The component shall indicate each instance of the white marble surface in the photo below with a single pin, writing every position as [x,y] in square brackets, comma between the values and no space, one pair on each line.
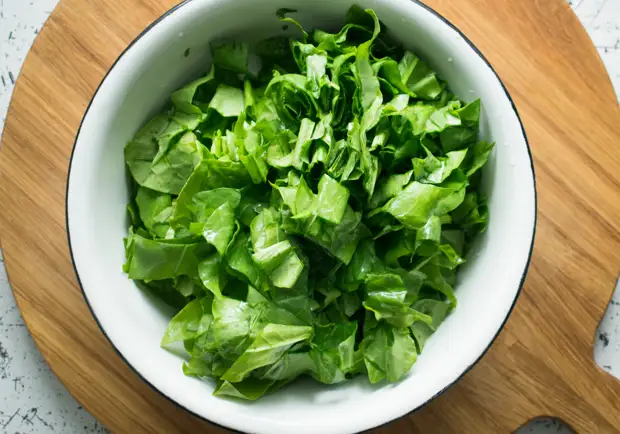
[32,400]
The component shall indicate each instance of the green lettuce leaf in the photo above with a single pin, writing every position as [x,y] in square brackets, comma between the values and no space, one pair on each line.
[289,367]
[437,310]
[188,99]
[162,259]
[273,252]
[219,228]
[389,352]
[213,275]
[250,389]
[192,321]
[389,298]
[240,263]
[155,210]
[160,163]
[418,202]
[332,351]
[268,347]
[233,56]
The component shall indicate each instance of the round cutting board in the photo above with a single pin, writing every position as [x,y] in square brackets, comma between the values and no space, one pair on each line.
[541,364]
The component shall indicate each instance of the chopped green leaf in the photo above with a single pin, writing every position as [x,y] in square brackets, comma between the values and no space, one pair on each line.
[268,347]
[194,320]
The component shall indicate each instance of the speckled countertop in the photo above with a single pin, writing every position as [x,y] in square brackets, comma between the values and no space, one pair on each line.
[32,400]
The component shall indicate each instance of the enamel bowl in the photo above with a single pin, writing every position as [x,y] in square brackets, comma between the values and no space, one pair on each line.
[138,85]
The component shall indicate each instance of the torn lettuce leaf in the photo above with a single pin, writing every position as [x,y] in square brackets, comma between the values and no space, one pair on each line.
[164,155]
[389,352]
[266,349]
[162,259]
[333,352]
[155,210]
[192,321]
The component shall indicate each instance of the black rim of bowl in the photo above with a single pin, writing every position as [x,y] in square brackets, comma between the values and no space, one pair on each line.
[429,400]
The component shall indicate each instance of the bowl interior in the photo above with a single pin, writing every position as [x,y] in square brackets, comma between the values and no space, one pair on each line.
[139,85]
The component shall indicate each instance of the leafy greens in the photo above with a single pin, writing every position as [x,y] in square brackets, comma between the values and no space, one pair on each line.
[307,217]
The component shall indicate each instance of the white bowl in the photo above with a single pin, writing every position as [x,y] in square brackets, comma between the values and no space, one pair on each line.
[138,85]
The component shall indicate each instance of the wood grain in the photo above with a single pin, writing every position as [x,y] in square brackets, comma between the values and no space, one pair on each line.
[541,364]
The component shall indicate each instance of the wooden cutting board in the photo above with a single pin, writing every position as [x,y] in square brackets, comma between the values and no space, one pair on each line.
[542,363]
